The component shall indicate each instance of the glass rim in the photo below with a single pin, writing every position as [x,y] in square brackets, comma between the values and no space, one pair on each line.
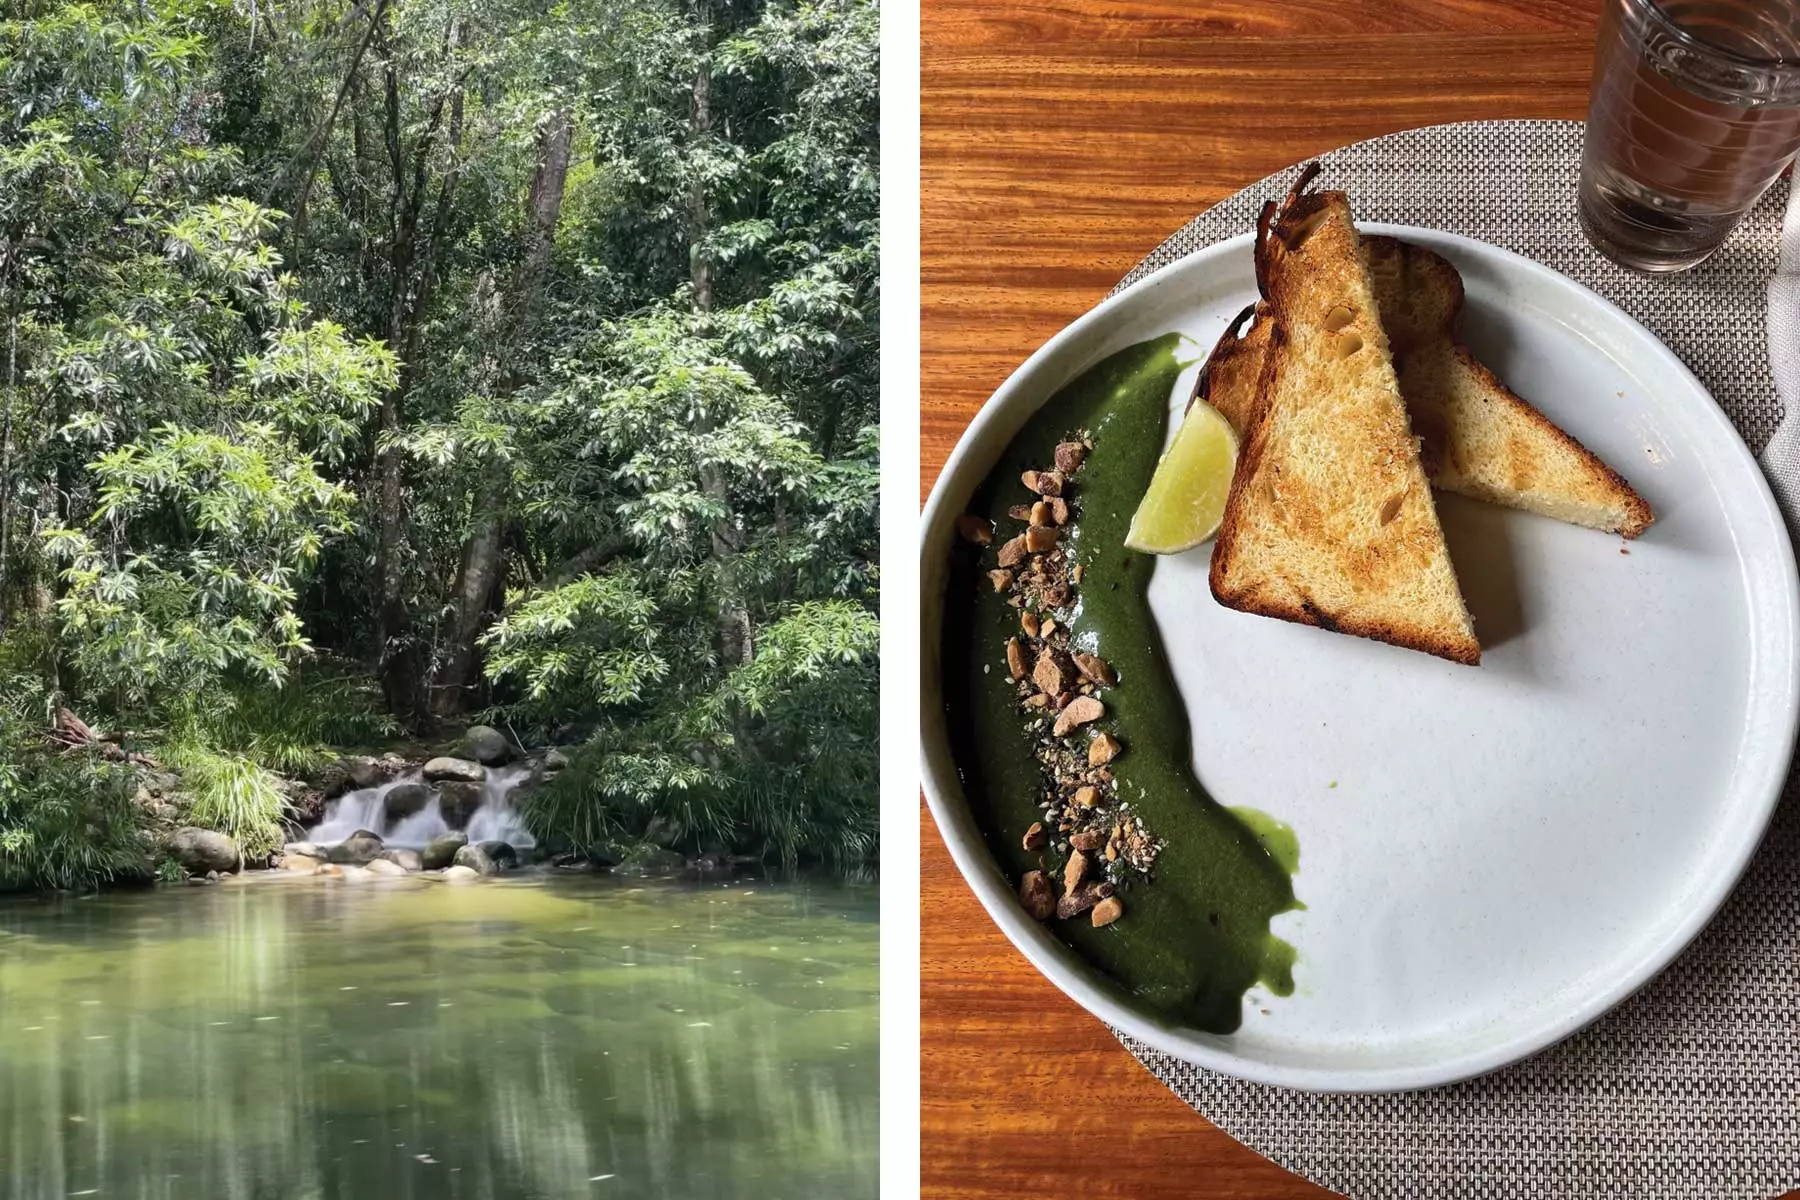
[1737,57]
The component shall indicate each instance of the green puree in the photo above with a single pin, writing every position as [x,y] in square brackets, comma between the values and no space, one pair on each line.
[1195,937]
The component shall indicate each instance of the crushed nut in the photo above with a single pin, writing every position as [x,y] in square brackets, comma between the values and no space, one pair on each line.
[1019,512]
[1040,538]
[1069,456]
[1049,673]
[1035,837]
[1073,904]
[1080,711]
[1028,621]
[1107,911]
[1037,895]
[1087,841]
[1015,663]
[1074,871]
[1044,483]
[1048,627]
[1059,512]
[1096,668]
[1087,797]
[1000,579]
[1103,749]
[1040,513]
[1014,552]
[975,529]
[1076,572]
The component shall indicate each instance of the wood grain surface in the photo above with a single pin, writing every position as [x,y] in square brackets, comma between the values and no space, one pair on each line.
[1060,143]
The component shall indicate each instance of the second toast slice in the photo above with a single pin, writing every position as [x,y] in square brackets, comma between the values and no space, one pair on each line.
[1330,521]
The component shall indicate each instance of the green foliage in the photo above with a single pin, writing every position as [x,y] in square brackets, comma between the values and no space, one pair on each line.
[232,794]
[320,362]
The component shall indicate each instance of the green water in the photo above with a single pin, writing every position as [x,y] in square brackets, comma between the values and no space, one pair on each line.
[1195,938]
[538,1037]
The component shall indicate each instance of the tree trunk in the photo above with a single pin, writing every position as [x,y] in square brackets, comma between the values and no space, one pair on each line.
[484,562]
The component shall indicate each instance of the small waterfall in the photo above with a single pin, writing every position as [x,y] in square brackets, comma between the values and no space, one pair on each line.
[494,820]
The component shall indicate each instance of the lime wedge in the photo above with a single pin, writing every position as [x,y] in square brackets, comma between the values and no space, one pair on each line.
[1185,501]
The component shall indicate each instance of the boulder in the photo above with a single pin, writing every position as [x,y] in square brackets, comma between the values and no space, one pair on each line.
[383,866]
[555,760]
[484,744]
[365,772]
[309,849]
[504,854]
[300,864]
[441,851]
[476,859]
[460,769]
[405,799]
[650,859]
[662,832]
[202,850]
[406,860]
[458,801]
[358,848]
[461,874]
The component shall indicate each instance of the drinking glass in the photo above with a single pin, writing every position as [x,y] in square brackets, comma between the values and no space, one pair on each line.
[1695,112]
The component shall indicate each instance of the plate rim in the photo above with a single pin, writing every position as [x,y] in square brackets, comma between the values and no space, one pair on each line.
[1056,962]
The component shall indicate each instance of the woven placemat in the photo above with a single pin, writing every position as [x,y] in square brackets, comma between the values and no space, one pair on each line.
[1690,1089]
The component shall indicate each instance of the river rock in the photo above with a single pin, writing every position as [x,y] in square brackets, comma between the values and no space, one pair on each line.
[461,874]
[358,848]
[300,864]
[308,849]
[406,860]
[405,799]
[202,850]
[441,851]
[365,772]
[555,760]
[459,769]
[484,744]
[504,854]
[662,832]
[352,873]
[384,866]
[458,801]
[477,859]
[650,859]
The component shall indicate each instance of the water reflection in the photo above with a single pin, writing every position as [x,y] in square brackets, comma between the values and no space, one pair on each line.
[548,1038]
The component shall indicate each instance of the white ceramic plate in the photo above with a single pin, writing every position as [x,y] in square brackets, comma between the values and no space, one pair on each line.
[1490,857]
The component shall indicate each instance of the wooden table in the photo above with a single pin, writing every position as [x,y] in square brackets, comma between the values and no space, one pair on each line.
[1061,141]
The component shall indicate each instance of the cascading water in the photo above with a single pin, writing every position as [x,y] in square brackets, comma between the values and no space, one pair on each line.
[494,820]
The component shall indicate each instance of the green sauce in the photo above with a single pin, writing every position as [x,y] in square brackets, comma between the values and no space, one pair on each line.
[1195,937]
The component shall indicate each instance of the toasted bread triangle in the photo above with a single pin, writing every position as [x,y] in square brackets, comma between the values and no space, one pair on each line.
[1330,520]
[1477,437]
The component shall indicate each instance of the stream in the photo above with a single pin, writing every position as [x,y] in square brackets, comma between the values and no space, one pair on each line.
[539,1036]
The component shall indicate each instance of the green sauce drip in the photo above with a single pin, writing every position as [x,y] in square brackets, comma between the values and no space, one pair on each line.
[1195,937]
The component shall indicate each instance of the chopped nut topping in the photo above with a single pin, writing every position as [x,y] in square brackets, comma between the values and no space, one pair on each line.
[1038,701]
[1044,483]
[1048,627]
[1074,871]
[1015,664]
[1069,456]
[1096,668]
[1076,572]
[1000,579]
[1050,674]
[1040,513]
[1107,911]
[1037,895]
[1020,512]
[1059,512]
[1087,841]
[1014,552]
[1028,621]
[1035,837]
[1041,537]
[1080,711]
[975,529]
[1103,749]
[1073,904]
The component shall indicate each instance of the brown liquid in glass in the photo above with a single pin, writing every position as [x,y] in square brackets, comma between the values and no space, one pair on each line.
[1679,143]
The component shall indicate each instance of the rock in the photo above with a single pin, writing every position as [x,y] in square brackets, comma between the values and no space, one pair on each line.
[405,799]
[300,864]
[461,874]
[305,848]
[458,801]
[441,851]
[504,854]
[383,866]
[359,847]
[406,860]
[460,769]
[353,873]
[652,860]
[364,772]
[662,832]
[202,850]
[332,870]
[484,744]
[476,858]
[555,760]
